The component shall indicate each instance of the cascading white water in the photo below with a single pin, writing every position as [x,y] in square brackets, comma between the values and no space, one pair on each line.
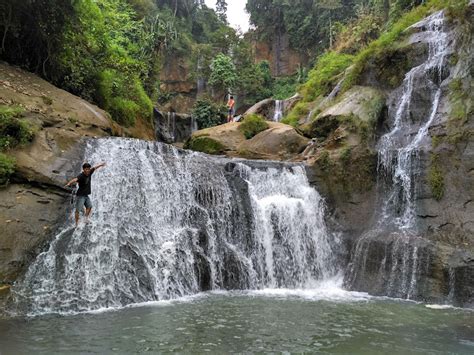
[168,223]
[399,162]
[398,149]
[171,125]
[278,114]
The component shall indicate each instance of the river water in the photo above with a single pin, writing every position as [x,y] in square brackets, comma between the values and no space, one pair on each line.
[325,320]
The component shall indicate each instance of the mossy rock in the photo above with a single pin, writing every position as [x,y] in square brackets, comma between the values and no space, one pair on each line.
[347,170]
[358,109]
[205,144]
[252,125]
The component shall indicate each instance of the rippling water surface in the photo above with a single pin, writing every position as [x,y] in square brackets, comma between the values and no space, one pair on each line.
[329,321]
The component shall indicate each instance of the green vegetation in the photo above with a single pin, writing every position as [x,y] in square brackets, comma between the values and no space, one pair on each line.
[13,130]
[324,161]
[285,87]
[252,125]
[7,168]
[460,101]
[208,114]
[300,110]
[205,144]
[436,178]
[323,76]
[345,156]
[386,42]
[307,23]
[223,73]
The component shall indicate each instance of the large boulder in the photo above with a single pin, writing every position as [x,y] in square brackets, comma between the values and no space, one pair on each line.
[278,142]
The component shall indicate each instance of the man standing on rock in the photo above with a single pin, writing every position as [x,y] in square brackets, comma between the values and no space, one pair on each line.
[231,108]
[84,181]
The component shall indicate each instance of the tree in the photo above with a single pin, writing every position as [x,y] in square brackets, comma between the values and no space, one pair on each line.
[223,73]
[330,5]
[221,10]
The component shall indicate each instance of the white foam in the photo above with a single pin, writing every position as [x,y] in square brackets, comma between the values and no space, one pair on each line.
[439,306]
[328,290]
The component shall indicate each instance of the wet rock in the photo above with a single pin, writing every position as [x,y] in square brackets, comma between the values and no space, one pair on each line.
[172,127]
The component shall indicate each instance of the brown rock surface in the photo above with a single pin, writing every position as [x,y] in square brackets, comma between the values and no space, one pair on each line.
[278,142]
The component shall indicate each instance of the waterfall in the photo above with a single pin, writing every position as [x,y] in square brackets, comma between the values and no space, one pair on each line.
[168,223]
[278,114]
[194,124]
[399,164]
[171,125]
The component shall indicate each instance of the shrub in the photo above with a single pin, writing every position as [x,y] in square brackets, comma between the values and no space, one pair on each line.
[7,168]
[124,111]
[13,131]
[123,97]
[208,114]
[252,125]
[358,33]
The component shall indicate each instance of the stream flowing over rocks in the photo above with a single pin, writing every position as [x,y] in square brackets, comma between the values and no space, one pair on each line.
[396,254]
[169,223]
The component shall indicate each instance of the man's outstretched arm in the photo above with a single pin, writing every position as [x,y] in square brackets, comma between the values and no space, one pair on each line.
[99,165]
[73,181]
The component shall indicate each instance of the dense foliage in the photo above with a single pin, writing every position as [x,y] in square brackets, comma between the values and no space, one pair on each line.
[208,114]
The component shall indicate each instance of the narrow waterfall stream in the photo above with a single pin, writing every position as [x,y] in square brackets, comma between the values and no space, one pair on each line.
[399,168]
[278,113]
[168,223]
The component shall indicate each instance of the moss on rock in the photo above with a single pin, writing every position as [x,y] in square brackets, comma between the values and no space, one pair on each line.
[205,144]
[252,125]
[7,168]
[436,178]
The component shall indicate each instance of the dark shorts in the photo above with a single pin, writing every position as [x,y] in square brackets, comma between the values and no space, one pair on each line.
[81,202]
[231,111]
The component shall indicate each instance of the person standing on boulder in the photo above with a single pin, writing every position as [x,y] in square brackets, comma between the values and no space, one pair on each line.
[84,181]
[230,107]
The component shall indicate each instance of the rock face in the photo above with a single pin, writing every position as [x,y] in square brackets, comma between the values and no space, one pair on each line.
[432,257]
[278,142]
[283,59]
[172,127]
[35,201]
[174,78]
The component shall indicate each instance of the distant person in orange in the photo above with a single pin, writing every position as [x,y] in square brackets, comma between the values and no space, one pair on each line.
[231,108]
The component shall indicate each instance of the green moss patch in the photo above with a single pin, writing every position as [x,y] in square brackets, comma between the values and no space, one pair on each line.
[436,178]
[252,125]
[205,144]
[7,168]
[14,131]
